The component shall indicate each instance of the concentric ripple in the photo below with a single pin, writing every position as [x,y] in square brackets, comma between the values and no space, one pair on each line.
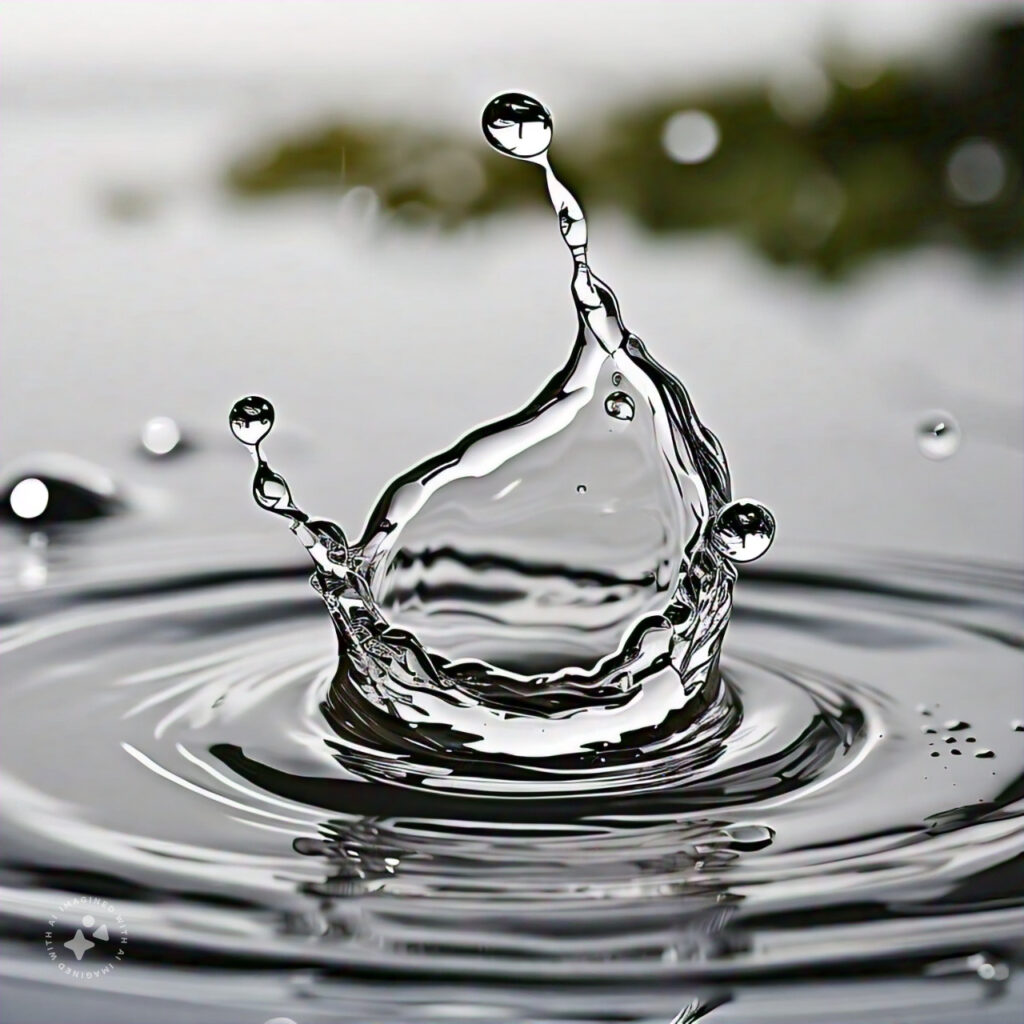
[850,802]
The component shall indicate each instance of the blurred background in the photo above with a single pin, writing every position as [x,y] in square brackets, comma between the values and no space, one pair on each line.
[811,211]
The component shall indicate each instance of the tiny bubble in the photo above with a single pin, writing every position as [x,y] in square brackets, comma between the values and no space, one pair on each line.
[581,488]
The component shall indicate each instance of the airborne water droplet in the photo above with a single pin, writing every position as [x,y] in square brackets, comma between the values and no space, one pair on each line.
[938,435]
[160,435]
[251,419]
[517,125]
[744,530]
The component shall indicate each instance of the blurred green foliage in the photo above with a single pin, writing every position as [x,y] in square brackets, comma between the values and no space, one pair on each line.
[822,180]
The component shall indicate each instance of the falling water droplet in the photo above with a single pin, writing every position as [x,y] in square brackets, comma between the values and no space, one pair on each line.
[517,125]
[251,419]
[619,406]
[160,436]
[938,435]
[744,530]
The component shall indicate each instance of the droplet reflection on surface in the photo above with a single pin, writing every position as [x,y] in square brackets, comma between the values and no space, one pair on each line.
[938,435]
[160,435]
[690,137]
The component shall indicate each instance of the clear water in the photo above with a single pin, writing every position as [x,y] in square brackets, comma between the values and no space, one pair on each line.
[828,829]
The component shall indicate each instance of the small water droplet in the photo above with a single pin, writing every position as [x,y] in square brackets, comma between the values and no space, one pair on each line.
[690,137]
[951,739]
[581,488]
[619,406]
[983,753]
[955,725]
[934,753]
[517,125]
[928,730]
[616,379]
[744,530]
[160,435]
[251,419]
[1017,725]
[923,709]
[29,498]
[57,488]
[938,435]
[955,752]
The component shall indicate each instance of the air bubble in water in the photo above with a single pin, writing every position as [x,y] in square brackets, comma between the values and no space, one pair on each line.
[160,435]
[517,125]
[619,406]
[251,419]
[744,530]
[938,435]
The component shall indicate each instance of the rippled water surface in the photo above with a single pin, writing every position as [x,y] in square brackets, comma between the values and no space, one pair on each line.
[857,814]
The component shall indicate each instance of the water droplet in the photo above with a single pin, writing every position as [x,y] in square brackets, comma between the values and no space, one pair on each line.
[690,136]
[951,739]
[619,406]
[955,752]
[28,498]
[58,488]
[160,435]
[928,730]
[938,435]
[935,753]
[955,725]
[976,172]
[983,753]
[251,419]
[744,530]
[517,125]
[1017,725]
[616,379]
[581,488]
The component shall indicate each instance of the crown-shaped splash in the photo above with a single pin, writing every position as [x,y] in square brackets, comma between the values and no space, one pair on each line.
[555,581]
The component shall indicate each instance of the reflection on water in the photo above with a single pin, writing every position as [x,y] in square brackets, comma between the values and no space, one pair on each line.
[839,839]
[836,827]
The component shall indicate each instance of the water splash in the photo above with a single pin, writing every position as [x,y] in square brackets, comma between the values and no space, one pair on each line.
[556,584]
